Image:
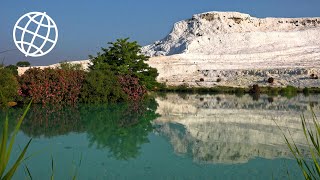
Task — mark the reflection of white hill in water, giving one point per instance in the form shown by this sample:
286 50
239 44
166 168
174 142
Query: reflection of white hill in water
228 129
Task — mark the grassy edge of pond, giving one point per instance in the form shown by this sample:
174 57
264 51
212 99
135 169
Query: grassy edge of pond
284 91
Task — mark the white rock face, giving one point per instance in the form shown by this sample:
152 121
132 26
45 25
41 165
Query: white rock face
84 64
212 45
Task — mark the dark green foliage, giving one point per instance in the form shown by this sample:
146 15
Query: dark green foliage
101 86
13 69
23 64
8 87
125 58
306 91
289 91
239 92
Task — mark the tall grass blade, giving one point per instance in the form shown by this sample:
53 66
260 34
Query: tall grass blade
16 130
310 167
4 147
5 150
17 163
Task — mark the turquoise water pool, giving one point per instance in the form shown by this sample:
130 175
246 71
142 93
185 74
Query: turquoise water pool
174 136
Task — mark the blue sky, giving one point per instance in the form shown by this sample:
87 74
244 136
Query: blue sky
86 25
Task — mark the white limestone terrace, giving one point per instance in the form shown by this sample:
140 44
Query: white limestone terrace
239 50
84 63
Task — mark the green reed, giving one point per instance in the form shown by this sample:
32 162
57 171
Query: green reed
309 166
6 146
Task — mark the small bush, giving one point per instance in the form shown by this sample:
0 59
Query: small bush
8 86
201 80
219 80
255 89
51 86
102 86
306 91
270 80
23 64
13 69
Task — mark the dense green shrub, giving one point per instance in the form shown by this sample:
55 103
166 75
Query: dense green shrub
289 91
23 64
101 86
13 69
8 86
125 58
51 86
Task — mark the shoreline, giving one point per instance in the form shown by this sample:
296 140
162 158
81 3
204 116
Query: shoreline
283 91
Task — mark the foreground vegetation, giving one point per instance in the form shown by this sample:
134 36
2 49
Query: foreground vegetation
117 74
310 167
256 90
6 146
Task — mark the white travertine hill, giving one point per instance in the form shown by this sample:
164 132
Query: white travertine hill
238 49
234 33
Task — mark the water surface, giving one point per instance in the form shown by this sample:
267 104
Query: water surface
174 136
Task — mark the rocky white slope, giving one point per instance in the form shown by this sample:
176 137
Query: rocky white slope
239 50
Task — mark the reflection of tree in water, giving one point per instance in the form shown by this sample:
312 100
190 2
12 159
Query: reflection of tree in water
121 128
13 116
52 121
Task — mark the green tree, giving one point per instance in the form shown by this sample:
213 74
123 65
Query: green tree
101 86
8 86
13 69
125 58
23 64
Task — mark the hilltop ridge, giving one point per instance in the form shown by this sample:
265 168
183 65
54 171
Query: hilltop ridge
236 49
233 32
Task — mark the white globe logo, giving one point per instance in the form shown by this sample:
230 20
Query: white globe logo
35 34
